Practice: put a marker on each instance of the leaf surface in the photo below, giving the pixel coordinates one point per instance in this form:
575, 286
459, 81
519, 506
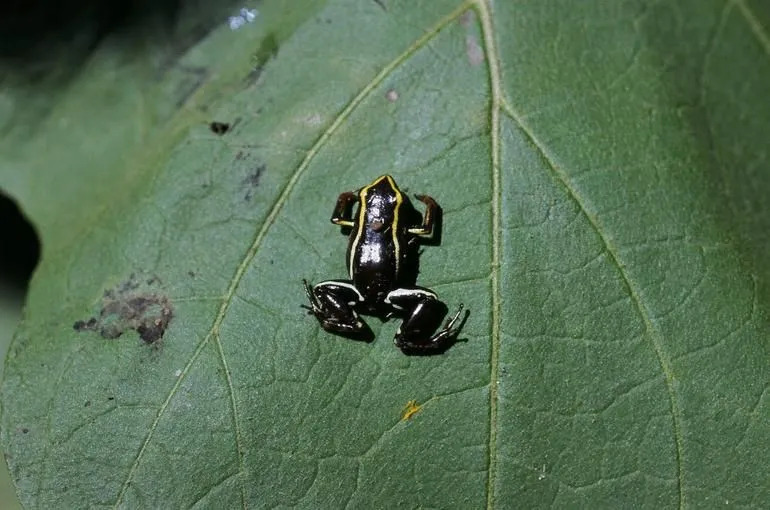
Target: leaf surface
601, 173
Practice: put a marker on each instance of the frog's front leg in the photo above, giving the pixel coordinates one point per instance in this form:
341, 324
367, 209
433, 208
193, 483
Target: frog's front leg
432, 210
423, 313
333, 304
342, 214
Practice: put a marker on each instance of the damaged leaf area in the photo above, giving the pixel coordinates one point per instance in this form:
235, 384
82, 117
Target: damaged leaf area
135, 305
601, 169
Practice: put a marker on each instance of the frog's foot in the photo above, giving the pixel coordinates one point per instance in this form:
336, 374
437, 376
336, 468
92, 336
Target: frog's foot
332, 302
423, 313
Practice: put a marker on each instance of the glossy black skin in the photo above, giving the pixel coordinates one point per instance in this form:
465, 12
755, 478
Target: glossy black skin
382, 265
372, 248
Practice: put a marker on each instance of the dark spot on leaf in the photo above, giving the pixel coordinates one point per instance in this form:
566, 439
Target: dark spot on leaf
134, 304
82, 325
251, 181
110, 398
382, 5
191, 274
24, 430
219, 128
268, 49
87, 404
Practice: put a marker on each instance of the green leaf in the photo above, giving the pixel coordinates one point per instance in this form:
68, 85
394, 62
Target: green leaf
11, 301
602, 168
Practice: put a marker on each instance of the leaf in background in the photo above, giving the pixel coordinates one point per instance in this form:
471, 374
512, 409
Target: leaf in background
600, 168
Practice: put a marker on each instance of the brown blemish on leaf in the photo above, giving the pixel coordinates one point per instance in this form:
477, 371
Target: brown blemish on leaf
133, 304
411, 408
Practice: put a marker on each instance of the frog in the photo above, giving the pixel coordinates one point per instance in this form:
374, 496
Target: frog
384, 231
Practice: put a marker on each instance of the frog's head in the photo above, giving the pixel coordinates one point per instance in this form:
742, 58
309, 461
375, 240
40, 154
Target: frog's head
384, 186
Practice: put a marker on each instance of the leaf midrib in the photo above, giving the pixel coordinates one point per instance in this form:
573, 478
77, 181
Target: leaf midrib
483, 9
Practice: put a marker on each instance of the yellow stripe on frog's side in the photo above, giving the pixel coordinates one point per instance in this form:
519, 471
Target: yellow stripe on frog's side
361, 216
396, 213
362, 220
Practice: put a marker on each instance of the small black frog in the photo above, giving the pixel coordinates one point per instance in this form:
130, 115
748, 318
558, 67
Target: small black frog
383, 231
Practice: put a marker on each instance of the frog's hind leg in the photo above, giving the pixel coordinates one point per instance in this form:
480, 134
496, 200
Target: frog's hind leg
333, 303
423, 313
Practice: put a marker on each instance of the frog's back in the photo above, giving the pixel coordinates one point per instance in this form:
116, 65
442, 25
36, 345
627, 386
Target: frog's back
377, 240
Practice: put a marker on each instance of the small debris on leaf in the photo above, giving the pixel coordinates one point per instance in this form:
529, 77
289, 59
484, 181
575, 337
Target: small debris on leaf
245, 16
251, 181
411, 408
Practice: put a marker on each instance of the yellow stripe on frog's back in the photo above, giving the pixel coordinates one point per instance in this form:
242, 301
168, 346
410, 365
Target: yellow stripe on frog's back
362, 217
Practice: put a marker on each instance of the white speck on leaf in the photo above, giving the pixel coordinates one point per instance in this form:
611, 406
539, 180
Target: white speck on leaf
177, 373
235, 22
391, 95
245, 16
249, 15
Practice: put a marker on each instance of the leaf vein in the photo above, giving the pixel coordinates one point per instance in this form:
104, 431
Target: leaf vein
756, 27
653, 332
236, 420
483, 9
